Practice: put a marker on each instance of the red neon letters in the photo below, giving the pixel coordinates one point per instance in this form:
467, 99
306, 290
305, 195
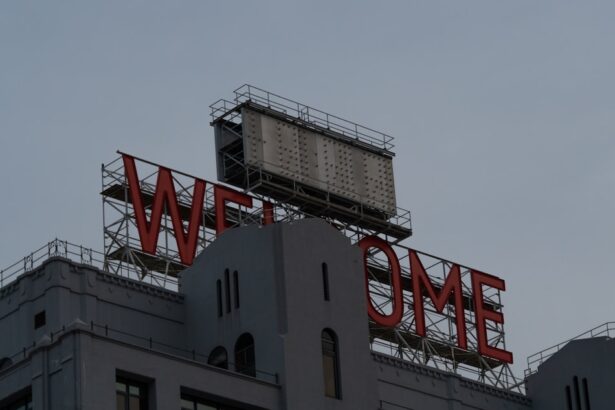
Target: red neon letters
451, 291
165, 194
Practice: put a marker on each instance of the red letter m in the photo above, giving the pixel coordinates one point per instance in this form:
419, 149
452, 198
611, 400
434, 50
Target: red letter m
165, 195
452, 284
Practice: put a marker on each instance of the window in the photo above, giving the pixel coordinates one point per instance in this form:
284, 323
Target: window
130, 395
568, 398
218, 357
40, 319
236, 283
330, 364
577, 395
19, 401
586, 394
219, 295
573, 395
193, 403
227, 285
245, 361
325, 280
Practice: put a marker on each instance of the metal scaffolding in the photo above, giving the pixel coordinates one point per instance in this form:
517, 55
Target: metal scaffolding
439, 347
121, 236
124, 256
283, 199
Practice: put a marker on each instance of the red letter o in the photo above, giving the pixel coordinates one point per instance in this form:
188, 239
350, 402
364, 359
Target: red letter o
395, 316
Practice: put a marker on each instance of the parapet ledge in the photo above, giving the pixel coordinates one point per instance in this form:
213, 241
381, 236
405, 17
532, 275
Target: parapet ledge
403, 364
141, 287
84, 269
494, 391
463, 382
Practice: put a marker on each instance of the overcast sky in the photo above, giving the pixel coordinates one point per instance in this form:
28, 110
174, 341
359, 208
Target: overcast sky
503, 114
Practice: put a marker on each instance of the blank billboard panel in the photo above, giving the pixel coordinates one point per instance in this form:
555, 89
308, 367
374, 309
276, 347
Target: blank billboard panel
319, 161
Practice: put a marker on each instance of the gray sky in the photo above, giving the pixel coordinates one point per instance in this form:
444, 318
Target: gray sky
502, 113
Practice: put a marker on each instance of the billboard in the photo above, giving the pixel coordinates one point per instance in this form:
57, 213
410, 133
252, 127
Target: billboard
318, 160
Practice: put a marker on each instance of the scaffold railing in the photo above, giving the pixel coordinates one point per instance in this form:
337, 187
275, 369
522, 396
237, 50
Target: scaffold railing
76, 253
249, 93
534, 361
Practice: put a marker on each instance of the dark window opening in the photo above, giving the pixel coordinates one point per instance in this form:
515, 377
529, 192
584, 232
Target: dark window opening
130, 395
577, 394
330, 364
18, 401
236, 284
193, 403
219, 296
227, 285
568, 398
586, 394
218, 357
245, 359
40, 319
325, 280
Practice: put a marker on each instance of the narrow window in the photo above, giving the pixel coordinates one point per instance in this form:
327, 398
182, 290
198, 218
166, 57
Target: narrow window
218, 357
130, 395
330, 364
40, 319
219, 295
577, 394
325, 280
568, 399
245, 360
236, 284
586, 394
227, 285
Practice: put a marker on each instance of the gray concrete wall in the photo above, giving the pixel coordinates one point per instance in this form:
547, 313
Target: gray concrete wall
305, 246
67, 291
282, 305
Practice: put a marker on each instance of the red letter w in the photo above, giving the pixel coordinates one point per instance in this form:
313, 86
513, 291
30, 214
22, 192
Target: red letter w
165, 194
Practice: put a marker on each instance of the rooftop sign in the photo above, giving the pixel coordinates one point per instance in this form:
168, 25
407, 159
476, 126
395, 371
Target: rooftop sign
420, 307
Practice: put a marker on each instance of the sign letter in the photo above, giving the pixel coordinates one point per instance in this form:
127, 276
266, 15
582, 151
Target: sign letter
394, 318
165, 194
484, 313
452, 285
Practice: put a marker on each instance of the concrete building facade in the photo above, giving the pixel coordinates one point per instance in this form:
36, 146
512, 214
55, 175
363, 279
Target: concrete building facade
268, 317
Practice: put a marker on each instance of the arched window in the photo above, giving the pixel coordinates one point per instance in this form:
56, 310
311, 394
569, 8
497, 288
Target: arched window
330, 364
218, 357
245, 361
